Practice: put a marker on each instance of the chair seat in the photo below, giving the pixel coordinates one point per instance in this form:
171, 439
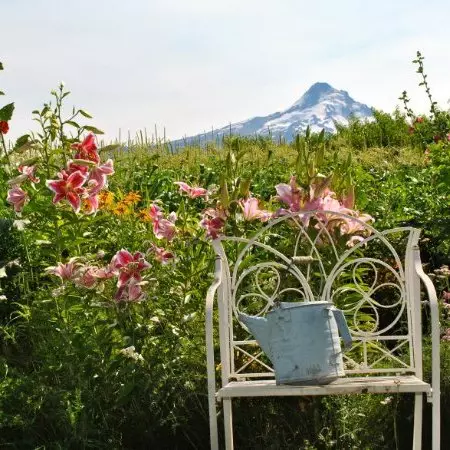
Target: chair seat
348, 385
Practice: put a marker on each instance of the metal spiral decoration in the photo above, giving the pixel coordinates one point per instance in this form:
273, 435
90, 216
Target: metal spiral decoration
314, 263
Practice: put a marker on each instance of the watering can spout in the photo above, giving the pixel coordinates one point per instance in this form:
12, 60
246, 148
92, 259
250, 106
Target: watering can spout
259, 327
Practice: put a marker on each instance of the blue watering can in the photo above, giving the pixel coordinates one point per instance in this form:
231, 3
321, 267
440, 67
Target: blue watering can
302, 341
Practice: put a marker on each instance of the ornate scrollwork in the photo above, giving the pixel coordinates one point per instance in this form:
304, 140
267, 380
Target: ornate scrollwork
367, 300
307, 257
267, 277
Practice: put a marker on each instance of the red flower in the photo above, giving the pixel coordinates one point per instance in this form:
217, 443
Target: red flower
213, 221
73, 167
4, 127
69, 188
129, 266
87, 149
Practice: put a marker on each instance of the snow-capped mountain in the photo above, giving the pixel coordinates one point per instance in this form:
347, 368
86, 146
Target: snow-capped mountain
319, 107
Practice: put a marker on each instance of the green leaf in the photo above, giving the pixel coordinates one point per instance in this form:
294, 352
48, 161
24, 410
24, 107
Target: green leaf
71, 122
224, 195
109, 148
1, 66
244, 188
6, 112
321, 136
85, 113
307, 132
21, 141
93, 129
2, 93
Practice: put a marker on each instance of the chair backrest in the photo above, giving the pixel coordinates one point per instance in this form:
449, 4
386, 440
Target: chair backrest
327, 256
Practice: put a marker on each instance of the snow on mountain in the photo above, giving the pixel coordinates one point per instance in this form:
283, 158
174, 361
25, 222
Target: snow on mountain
319, 107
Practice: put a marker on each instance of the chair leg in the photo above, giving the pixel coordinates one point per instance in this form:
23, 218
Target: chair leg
436, 422
418, 414
228, 423
213, 434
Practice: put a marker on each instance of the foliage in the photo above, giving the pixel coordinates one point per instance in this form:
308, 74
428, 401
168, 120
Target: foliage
97, 354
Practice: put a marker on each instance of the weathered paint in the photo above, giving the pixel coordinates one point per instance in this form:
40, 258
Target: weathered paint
302, 341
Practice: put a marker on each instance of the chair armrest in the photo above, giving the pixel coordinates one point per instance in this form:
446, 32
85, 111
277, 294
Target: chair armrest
435, 328
209, 332
209, 307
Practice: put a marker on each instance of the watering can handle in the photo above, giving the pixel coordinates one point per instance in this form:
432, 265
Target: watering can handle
343, 327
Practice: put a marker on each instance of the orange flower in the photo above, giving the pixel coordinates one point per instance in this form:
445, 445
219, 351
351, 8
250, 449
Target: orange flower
131, 198
121, 209
145, 216
106, 199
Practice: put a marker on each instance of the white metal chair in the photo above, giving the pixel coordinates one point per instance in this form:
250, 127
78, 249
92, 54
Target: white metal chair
374, 278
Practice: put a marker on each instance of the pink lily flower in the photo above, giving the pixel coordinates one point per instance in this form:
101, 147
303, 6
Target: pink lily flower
251, 211
66, 271
331, 204
105, 273
74, 167
130, 292
165, 228
17, 197
28, 171
290, 194
129, 266
161, 254
350, 226
213, 221
98, 176
154, 212
349, 200
191, 191
87, 277
446, 336
87, 149
315, 204
69, 188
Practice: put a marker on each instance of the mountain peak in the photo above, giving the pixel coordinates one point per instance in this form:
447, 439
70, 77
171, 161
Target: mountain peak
314, 95
320, 108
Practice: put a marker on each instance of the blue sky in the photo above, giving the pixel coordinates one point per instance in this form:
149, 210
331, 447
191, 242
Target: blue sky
189, 65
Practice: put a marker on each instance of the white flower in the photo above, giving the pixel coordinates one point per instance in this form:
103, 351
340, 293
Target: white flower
130, 352
20, 224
